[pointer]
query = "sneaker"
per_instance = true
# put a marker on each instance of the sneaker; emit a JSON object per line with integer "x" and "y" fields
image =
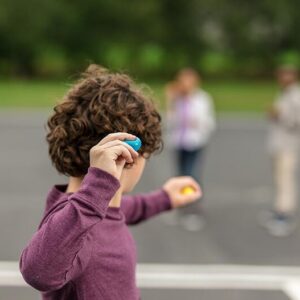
{"x": 280, "y": 225}
{"x": 192, "y": 222}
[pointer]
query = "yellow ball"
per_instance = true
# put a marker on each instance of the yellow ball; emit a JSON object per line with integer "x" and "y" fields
{"x": 187, "y": 190}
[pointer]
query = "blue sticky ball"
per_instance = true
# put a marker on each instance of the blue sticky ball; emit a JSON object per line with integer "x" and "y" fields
{"x": 135, "y": 144}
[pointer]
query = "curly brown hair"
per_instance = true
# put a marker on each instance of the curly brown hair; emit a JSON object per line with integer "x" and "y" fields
{"x": 99, "y": 103}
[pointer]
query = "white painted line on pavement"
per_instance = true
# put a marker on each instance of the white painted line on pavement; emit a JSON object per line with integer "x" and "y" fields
{"x": 292, "y": 289}
{"x": 167, "y": 276}
{"x": 215, "y": 276}
{"x": 10, "y": 274}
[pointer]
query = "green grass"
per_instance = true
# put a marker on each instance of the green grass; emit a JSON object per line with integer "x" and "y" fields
{"x": 236, "y": 96}
{"x": 23, "y": 94}
{"x": 229, "y": 96}
{"x": 242, "y": 96}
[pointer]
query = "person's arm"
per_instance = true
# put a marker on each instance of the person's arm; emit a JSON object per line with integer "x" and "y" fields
{"x": 60, "y": 250}
{"x": 137, "y": 208}
{"x": 203, "y": 114}
{"x": 141, "y": 207}
{"x": 208, "y": 116}
{"x": 289, "y": 111}
{"x": 52, "y": 198}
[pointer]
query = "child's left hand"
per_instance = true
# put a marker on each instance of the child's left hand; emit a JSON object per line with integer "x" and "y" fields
{"x": 174, "y": 187}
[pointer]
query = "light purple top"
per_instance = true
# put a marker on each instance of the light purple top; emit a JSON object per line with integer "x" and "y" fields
{"x": 191, "y": 121}
{"x": 83, "y": 249}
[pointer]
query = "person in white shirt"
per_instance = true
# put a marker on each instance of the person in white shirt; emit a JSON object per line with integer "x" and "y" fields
{"x": 191, "y": 122}
{"x": 283, "y": 144}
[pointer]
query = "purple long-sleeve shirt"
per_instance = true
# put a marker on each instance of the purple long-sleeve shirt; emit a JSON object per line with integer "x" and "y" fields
{"x": 83, "y": 249}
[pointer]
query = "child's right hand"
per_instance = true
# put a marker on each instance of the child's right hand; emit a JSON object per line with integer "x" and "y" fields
{"x": 111, "y": 154}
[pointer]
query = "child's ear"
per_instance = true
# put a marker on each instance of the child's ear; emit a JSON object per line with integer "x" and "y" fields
{"x": 146, "y": 155}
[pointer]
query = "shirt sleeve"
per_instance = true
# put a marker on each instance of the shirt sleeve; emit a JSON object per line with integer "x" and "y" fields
{"x": 138, "y": 208}
{"x": 60, "y": 249}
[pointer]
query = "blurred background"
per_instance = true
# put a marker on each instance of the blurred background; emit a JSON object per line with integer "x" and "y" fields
{"x": 53, "y": 40}
{"x": 235, "y": 47}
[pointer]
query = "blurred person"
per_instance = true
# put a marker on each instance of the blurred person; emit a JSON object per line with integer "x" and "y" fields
{"x": 191, "y": 118}
{"x": 284, "y": 142}
{"x": 83, "y": 248}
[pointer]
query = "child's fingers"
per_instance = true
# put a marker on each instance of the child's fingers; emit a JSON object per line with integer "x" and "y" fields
{"x": 134, "y": 154}
{"x": 195, "y": 196}
{"x": 189, "y": 198}
{"x": 195, "y": 186}
{"x": 189, "y": 181}
{"x": 122, "y": 151}
{"x": 116, "y": 136}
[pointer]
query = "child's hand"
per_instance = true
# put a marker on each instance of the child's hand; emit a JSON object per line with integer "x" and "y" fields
{"x": 174, "y": 187}
{"x": 111, "y": 154}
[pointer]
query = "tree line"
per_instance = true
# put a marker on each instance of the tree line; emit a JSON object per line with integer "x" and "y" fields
{"x": 150, "y": 38}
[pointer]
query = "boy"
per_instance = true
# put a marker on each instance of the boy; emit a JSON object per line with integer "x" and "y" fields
{"x": 83, "y": 248}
